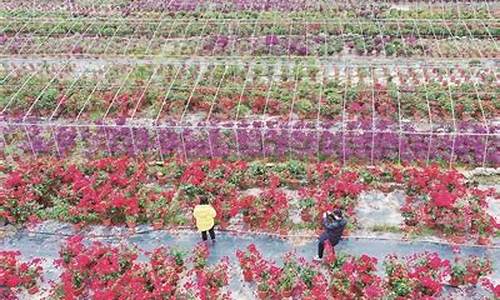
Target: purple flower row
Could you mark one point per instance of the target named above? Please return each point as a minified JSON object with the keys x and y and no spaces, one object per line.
{"x":360,"y":141}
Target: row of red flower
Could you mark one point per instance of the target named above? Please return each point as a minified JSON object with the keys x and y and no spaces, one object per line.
{"x":102,"y":271}
{"x":122,"y":190}
{"x":420,"y":276}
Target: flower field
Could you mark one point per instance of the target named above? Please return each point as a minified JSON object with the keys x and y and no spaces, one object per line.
{"x":117,"y":116}
{"x":254,"y":110}
{"x":125,"y":191}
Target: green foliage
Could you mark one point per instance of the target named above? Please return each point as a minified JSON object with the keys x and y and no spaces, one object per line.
{"x":256,"y":168}
{"x":296,"y":168}
{"x":307,"y":203}
{"x":402,"y":287}
{"x":304,"y":106}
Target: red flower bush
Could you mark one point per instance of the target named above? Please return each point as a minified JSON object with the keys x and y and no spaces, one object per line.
{"x":420,"y":276}
{"x":28,"y":190}
{"x":106,"y":189}
{"x":97,"y":271}
{"x":211,"y":178}
{"x":263,"y":272}
{"x":469,"y":271}
{"x":101,"y":271}
{"x":340,"y":191}
{"x":248,"y":260}
{"x":16,"y":275}
{"x":268,"y":211}
{"x":207,"y":282}
{"x":343,"y":278}
{"x":416,"y":277}
{"x":355,"y":278}
{"x":200,"y":256}
{"x":444,"y":202}
{"x":130,"y":191}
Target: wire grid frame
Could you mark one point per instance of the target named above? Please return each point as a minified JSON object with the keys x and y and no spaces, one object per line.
{"x":485,"y":123}
{"x":53,"y":79}
{"x":255,"y":26}
{"x":177,"y":72}
{"x":452,"y":105}
{"x":37,"y":68}
{"x":208,"y":127}
{"x":381,"y":26}
{"x":35,"y":85}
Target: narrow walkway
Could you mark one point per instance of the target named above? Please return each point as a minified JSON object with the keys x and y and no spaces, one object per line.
{"x":47,"y":245}
{"x":85,"y":62}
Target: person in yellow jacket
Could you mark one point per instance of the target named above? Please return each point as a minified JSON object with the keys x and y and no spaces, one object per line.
{"x":204,"y":214}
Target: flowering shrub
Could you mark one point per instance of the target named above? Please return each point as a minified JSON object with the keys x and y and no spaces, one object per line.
{"x":104,"y":271}
{"x":16,"y":275}
{"x":130,"y":191}
{"x":417,"y":276}
{"x":214,"y":180}
{"x":207,"y":282}
{"x":101,"y":271}
{"x":28,"y":189}
{"x":469,"y":271}
{"x":343,"y":277}
{"x":341,"y":190}
{"x":162,"y":209}
{"x":248,"y":260}
{"x":271,"y":141}
{"x":267,"y":211}
{"x":420,"y":276}
{"x":259,"y":270}
{"x":276,"y":104}
{"x":107,"y":189}
{"x":200,"y":256}
{"x":355,"y":278}
{"x":444,"y":202}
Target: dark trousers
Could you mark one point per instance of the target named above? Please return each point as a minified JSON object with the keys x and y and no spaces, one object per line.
{"x":321,"y":244}
{"x":210,"y":231}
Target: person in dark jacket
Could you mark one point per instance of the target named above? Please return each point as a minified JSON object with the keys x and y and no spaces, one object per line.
{"x":334,"y":224}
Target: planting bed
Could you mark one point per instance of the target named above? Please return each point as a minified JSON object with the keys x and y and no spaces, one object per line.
{"x":222,"y":37}
{"x":116,"y":191}
{"x":255,"y":109}
{"x":242,"y":29}
{"x":271,"y":249}
{"x":116,"y":116}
